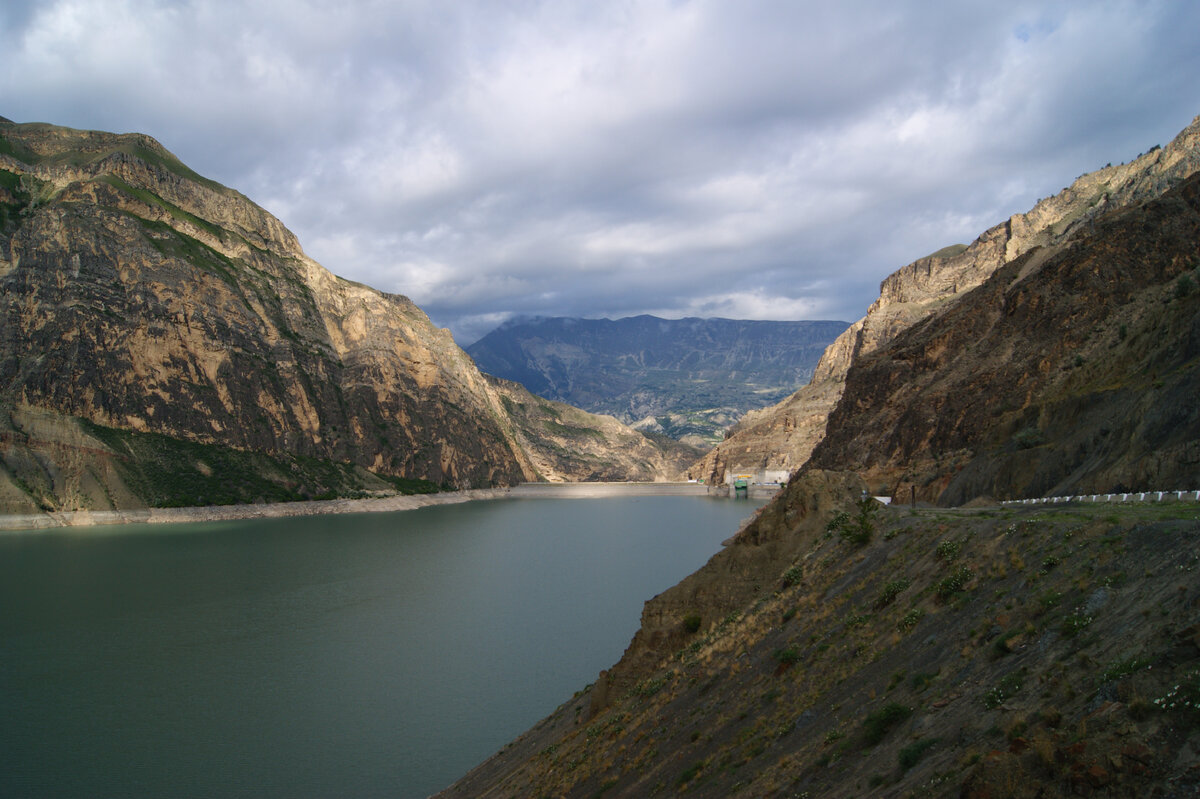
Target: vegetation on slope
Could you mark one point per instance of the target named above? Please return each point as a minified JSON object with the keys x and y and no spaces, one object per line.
{"x":983,"y":653}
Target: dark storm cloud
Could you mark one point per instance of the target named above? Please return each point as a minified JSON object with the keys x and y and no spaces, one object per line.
{"x":752,"y":159}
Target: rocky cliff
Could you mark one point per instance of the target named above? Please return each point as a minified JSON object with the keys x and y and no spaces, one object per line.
{"x":141,"y":297}
{"x":689,"y":379}
{"x":783,"y":437}
{"x":1072,"y":369}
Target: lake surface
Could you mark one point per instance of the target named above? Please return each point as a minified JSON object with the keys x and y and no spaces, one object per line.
{"x":358,"y":656}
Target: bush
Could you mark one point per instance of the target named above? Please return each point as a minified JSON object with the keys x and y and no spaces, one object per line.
{"x":691,"y":623}
{"x":1184,"y":286}
{"x":891,"y":591}
{"x":793,"y":576}
{"x":953,"y":584}
{"x":910,"y":620}
{"x":910,"y":755}
{"x":948,"y":550}
{"x":1028,"y":438}
{"x":787,"y":656}
{"x":838,"y":522}
{"x":878,"y":724}
{"x":857,"y":531}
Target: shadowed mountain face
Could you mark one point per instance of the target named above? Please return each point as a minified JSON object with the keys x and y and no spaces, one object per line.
{"x":1072,"y":370}
{"x":687,"y":378}
{"x":141,"y":297}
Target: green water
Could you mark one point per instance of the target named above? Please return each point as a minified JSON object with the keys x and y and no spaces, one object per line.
{"x":357,"y":656}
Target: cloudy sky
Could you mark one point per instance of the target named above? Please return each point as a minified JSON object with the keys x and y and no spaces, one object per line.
{"x":739,"y":158}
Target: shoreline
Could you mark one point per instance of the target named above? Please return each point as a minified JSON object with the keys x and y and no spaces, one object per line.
{"x":54,"y":520}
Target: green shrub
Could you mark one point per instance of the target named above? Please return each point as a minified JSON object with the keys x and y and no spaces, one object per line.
{"x":838,"y":522}
{"x":1074,"y":624}
{"x":910,"y":755}
{"x":910,"y":619}
{"x":1184,"y":286}
{"x":948,"y":550}
{"x":953,"y":584}
{"x":691,"y":623}
{"x":891,"y":591}
{"x":857,"y":531}
{"x":1008,"y":686}
{"x":787,"y":656}
{"x":793,"y":576}
{"x":878,"y":724}
{"x":1029,"y":437}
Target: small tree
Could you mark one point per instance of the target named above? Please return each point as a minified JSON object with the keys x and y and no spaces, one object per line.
{"x":861,"y":527}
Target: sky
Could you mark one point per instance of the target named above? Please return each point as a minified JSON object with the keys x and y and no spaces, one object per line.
{"x":751,"y":159}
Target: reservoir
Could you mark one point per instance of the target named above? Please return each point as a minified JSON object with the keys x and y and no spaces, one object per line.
{"x":356,"y":655}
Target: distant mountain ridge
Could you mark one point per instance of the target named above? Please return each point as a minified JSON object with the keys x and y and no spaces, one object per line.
{"x":688,"y":378}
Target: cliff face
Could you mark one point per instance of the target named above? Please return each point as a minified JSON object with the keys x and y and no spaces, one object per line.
{"x":1070,"y":370}
{"x":784,"y":436}
{"x":139,"y":296}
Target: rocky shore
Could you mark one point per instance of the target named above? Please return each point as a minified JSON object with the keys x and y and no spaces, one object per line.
{"x":211,"y":513}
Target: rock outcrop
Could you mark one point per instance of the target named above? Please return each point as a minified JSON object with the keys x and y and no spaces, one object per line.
{"x":784,"y":436}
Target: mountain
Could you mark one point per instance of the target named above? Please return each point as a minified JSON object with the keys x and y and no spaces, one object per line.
{"x":687,"y":378}
{"x":783,"y":436}
{"x":156,"y":322}
{"x":1073,"y":369}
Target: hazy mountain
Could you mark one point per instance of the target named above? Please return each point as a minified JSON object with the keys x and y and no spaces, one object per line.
{"x":688,"y":378}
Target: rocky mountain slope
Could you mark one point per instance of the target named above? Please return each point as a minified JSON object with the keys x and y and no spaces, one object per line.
{"x":783,"y":436}
{"x":1073,"y":369}
{"x":686,"y":378}
{"x":1034,"y":652}
{"x":142,"y":298}
{"x":566,"y":444}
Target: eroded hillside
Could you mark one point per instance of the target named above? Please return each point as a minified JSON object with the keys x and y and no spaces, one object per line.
{"x":1073,"y":369}
{"x":1036,"y":652}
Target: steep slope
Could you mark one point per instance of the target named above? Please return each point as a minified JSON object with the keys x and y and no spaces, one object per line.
{"x":141,"y":298}
{"x":687,"y":378}
{"x":783,"y":437}
{"x":981,"y":654}
{"x":138,"y":296}
{"x":1073,"y":369}
{"x":566,"y":444}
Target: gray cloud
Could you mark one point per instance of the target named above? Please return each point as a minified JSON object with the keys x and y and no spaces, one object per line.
{"x":754,"y":159}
